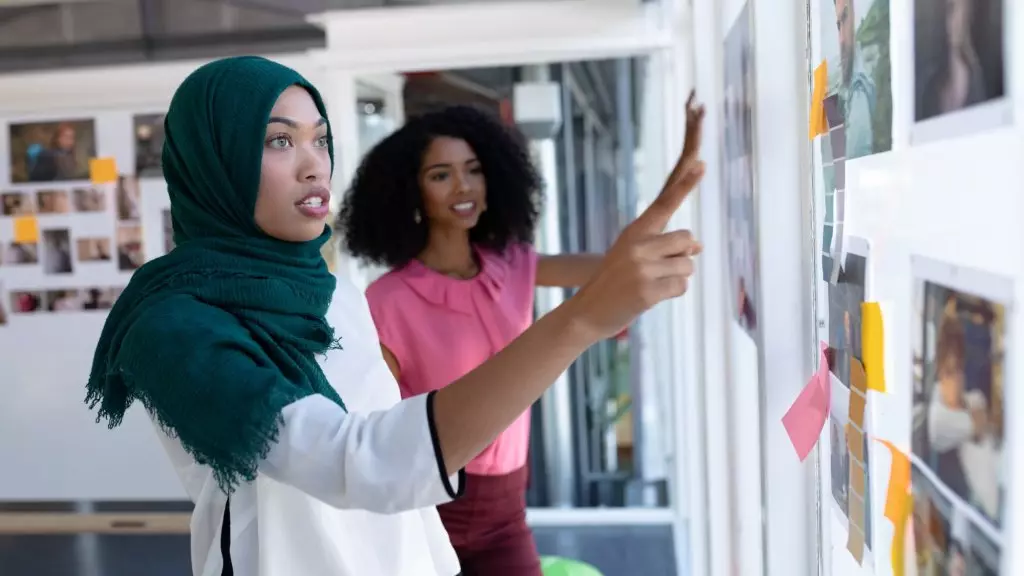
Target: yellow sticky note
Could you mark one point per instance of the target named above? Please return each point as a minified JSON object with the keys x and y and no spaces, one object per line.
{"x":102,"y":170}
{"x":873,"y":345}
{"x":898,"y":504}
{"x":817,"y":123}
{"x":26,"y":230}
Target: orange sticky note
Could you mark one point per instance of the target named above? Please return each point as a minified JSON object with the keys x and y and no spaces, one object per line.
{"x":873,"y":345}
{"x":817,"y":123}
{"x":102,"y":170}
{"x":898,"y":503}
{"x":26,"y":230}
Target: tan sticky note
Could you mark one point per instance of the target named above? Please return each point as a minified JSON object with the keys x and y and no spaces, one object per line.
{"x":102,"y":170}
{"x":26,"y":230}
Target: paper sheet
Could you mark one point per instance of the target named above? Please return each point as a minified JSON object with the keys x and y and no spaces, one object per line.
{"x":806,"y":418}
{"x":873,"y":345}
{"x":898,"y":504}
{"x":26,"y":230}
{"x":858,"y":475}
{"x":102,"y":170}
{"x":817,"y":123}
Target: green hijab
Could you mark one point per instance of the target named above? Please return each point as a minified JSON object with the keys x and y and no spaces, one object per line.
{"x":218,"y":336}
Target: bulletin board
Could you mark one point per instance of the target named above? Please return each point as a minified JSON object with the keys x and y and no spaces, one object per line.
{"x":916,"y":171}
{"x":82,"y":205}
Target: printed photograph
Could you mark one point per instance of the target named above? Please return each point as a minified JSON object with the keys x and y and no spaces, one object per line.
{"x":90,"y":200}
{"x":168,"y":231}
{"x":20,"y":254}
{"x":959,"y":55}
{"x":63,"y":301}
{"x":3,"y":306}
{"x":17,"y":204}
{"x":855,"y":42}
{"x":738,"y":174}
{"x":50,"y":151}
{"x":129,"y":248}
{"x":845,"y":297}
{"x":57,"y":251}
{"x":958,"y":417}
{"x":128,"y":208}
{"x":53,"y":202}
{"x":944,"y":541}
{"x":93,"y":249}
{"x":99,"y":298}
{"x":149,"y":144}
{"x":26,"y":302}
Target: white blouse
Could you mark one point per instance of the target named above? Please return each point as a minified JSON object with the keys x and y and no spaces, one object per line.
{"x":345,"y":494}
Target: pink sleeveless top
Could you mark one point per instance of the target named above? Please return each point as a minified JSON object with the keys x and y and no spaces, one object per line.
{"x":439,"y":328}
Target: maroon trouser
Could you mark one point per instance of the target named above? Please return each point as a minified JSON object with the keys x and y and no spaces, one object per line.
{"x":487,"y":526}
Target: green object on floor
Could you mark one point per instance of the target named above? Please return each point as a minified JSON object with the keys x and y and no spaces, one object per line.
{"x":555,"y":566}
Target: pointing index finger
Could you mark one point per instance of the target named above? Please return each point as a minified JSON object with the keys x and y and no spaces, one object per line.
{"x":657,"y":215}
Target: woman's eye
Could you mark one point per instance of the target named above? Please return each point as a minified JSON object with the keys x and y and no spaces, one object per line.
{"x":476,"y":170}
{"x":439,"y":176}
{"x":279,"y":142}
{"x":322,"y":142}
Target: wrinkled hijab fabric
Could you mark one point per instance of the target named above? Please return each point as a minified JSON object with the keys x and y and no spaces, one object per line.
{"x":219,"y":335}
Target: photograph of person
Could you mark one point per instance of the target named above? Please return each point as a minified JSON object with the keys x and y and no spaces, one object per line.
{"x":49,"y":151}
{"x":98,"y":298}
{"x":855,"y":43}
{"x":93,"y":249}
{"x":129,"y":248}
{"x":128,"y":208}
{"x":53,"y":202}
{"x":57,"y":251}
{"x":17,"y":204}
{"x":945,"y":543}
{"x":90,"y":200}
{"x":24,"y":302}
{"x":958,"y":418}
{"x":168,"y":231}
{"x":959,"y":58}
{"x":63,"y":300}
{"x":149,"y":144}
{"x":738,"y":172}
{"x":21,"y":254}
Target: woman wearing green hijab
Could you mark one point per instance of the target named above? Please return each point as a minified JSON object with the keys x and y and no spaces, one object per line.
{"x":264,"y":373}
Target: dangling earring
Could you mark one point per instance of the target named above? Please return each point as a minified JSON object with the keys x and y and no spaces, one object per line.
{"x":416,"y":216}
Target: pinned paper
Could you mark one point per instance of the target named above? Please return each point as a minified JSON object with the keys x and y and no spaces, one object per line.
{"x":873,"y":345}
{"x":26,"y":230}
{"x":818,"y":123}
{"x":898,"y":504}
{"x":858,"y":473}
{"x":102,"y":170}
{"x":806,"y":418}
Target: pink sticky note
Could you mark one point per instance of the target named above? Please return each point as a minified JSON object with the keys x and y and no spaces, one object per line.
{"x":806,"y":417}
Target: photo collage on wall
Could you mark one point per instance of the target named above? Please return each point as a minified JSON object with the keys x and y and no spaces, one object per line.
{"x":855,"y":44}
{"x":738,"y":175}
{"x":958,"y":431}
{"x":67,"y":221}
{"x":849,"y":437}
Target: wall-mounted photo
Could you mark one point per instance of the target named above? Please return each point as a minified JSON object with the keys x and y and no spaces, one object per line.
{"x":129,"y":248}
{"x":49,"y":151}
{"x":128,"y":199}
{"x":855,"y":42}
{"x":957,"y":414}
{"x":26,"y":302}
{"x":53,"y":202}
{"x":17,"y":254}
{"x":90,"y":200}
{"x":945,"y":541}
{"x":57,"y":251}
{"x":738,"y":176}
{"x":959,"y":55}
{"x":93,"y":249}
{"x":99,"y":298}
{"x":149,"y":144}
{"x":63,"y":300}
{"x":17,"y":203}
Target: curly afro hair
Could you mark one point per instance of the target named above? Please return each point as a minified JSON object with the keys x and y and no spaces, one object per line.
{"x":377,"y":217}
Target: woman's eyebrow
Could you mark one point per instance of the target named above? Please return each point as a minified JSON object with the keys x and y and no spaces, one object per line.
{"x":292,"y":123}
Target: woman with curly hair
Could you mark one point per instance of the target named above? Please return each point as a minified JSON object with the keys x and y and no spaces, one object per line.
{"x":449,"y":204}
